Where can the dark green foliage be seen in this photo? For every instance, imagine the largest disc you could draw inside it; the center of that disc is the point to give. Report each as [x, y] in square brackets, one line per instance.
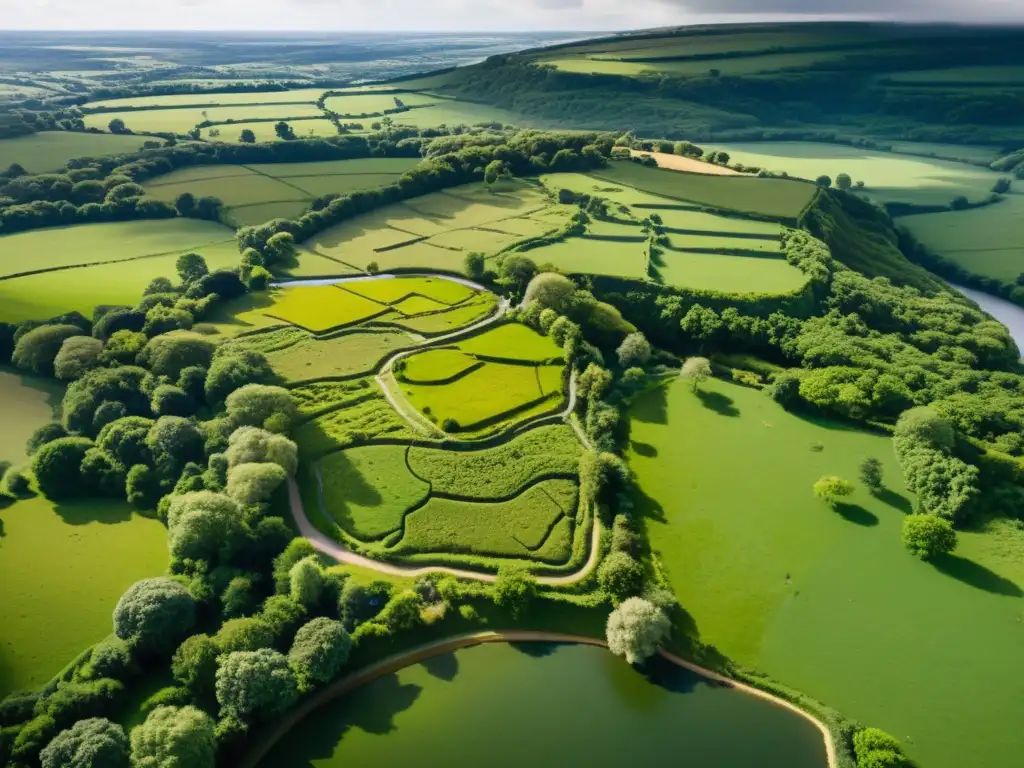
[125, 439]
[170, 355]
[102, 474]
[191, 267]
[90, 743]
[111, 658]
[172, 737]
[514, 589]
[205, 526]
[161, 319]
[169, 400]
[32, 738]
[171, 696]
[126, 385]
[43, 435]
[620, 576]
[18, 707]
[36, 350]
[871, 474]
[239, 598]
[153, 615]
[58, 468]
[192, 380]
[225, 283]
[245, 634]
[927, 536]
[297, 549]
[78, 700]
[284, 616]
[253, 685]
[233, 369]
[142, 487]
[362, 602]
[875, 748]
[195, 665]
[174, 441]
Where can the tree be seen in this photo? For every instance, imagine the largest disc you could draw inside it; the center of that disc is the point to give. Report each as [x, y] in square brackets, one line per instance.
[620, 576]
[174, 441]
[634, 351]
[928, 535]
[238, 599]
[960, 203]
[77, 355]
[169, 400]
[153, 615]
[170, 355]
[1002, 186]
[636, 629]
[702, 325]
[831, 489]
[402, 612]
[57, 467]
[247, 136]
[551, 291]
[47, 433]
[474, 265]
[161, 319]
[123, 347]
[280, 249]
[117, 126]
[125, 439]
[923, 425]
[250, 633]
[254, 483]
[15, 483]
[284, 131]
[514, 589]
[256, 405]
[823, 181]
[320, 650]
[307, 582]
[593, 382]
[92, 743]
[255, 684]
[174, 737]
[516, 271]
[697, 370]
[252, 445]
[233, 369]
[36, 350]
[843, 181]
[875, 748]
[195, 665]
[871, 474]
[185, 204]
[191, 267]
[204, 526]
[494, 171]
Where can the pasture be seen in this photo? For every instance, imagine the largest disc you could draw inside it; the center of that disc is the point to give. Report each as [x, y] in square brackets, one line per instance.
[887, 176]
[726, 273]
[29, 402]
[300, 96]
[367, 104]
[61, 581]
[345, 355]
[452, 112]
[829, 600]
[987, 241]
[264, 131]
[51, 150]
[182, 121]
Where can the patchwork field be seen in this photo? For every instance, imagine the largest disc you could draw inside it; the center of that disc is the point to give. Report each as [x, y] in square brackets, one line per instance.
[253, 194]
[264, 131]
[302, 95]
[829, 601]
[51, 150]
[52, 613]
[887, 176]
[357, 105]
[987, 241]
[182, 121]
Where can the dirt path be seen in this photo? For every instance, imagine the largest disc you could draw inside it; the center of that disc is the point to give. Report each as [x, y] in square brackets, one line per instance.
[686, 164]
[416, 655]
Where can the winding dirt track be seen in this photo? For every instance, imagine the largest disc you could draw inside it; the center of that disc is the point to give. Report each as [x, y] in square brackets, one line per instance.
[328, 546]
[421, 653]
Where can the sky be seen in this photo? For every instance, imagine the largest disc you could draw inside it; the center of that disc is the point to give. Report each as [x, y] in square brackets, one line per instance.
[474, 15]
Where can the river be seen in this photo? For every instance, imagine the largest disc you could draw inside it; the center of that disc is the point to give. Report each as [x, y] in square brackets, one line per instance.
[1008, 313]
[547, 706]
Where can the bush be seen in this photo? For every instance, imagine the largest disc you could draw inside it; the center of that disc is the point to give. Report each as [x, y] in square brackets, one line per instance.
[254, 483]
[15, 483]
[251, 445]
[402, 612]
[927, 536]
[91, 743]
[234, 369]
[239, 598]
[246, 634]
[634, 351]
[359, 602]
[170, 355]
[306, 578]
[514, 589]
[37, 349]
[871, 474]
[174, 737]
[831, 489]
[57, 467]
[204, 526]
[154, 614]
[77, 355]
[620, 576]
[43, 435]
[255, 684]
[195, 665]
[111, 658]
[255, 405]
[169, 400]
[284, 616]
[551, 291]
[320, 650]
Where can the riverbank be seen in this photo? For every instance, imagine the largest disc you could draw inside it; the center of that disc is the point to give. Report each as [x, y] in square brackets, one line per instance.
[1006, 312]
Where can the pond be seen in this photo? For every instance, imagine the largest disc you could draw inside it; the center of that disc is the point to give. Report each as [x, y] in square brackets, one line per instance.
[1006, 312]
[547, 706]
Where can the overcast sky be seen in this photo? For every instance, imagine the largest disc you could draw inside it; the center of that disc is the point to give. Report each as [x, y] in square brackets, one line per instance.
[455, 15]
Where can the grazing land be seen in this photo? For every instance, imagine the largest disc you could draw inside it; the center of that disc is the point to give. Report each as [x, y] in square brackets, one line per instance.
[181, 121]
[29, 402]
[299, 96]
[52, 613]
[51, 150]
[764, 569]
[263, 130]
[356, 105]
[728, 274]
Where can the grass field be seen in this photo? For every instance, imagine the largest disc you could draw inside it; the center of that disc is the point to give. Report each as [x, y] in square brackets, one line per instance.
[437, 323]
[29, 402]
[968, 152]
[780, 198]
[345, 355]
[580, 255]
[51, 150]
[698, 221]
[184, 120]
[434, 366]
[726, 273]
[368, 490]
[451, 112]
[513, 341]
[321, 307]
[354, 105]
[60, 581]
[307, 95]
[987, 241]
[745, 65]
[829, 601]
[394, 290]
[1008, 74]
[264, 129]
[887, 176]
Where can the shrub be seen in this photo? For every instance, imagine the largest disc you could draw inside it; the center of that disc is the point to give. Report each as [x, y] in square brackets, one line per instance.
[204, 526]
[402, 612]
[169, 400]
[254, 483]
[32, 738]
[15, 483]
[552, 291]
[77, 355]
[43, 435]
[111, 657]
[636, 629]
[359, 602]
[125, 439]
[254, 405]
[251, 445]
[174, 441]
[785, 389]
[174, 737]
[170, 355]
[234, 369]
[831, 489]
[697, 370]
[634, 351]
[927, 536]
[255, 684]
[245, 634]
[238, 598]
[620, 576]
[284, 616]
[171, 696]
[514, 589]
[91, 743]
[306, 580]
[194, 664]
[871, 474]
[57, 467]
[37, 349]
[320, 650]
[154, 614]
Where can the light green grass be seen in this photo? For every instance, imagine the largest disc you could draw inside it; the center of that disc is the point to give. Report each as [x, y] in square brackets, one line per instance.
[416, 305]
[345, 355]
[184, 120]
[393, 290]
[90, 243]
[581, 255]
[746, 65]
[355, 105]
[46, 295]
[65, 566]
[513, 341]
[309, 95]
[514, 528]
[260, 213]
[320, 307]
[29, 402]
[264, 129]
[887, 176]
[501, 471]
[370, 415]
[728, 274]
[709, 222]
[451, 112]
[781, 198]
[987, 241]
[234, 190]
[365, 165]
[423, 256]
[437, 365]
[368, 490]
[724, 243]
[829, 601]
[467, 313]
[51, 150]
[341, 184]
[969, 152]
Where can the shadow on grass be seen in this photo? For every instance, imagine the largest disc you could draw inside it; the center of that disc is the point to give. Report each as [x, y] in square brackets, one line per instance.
[647, 507]
[644, 449]
[84, 512]
[536, 650]
[651, 407]
[895, 500]
[718, 402]
[444, 667]
[856, 514]
[975, 575]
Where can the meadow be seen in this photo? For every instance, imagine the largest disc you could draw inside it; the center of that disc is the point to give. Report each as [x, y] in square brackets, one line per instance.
[345, 355]
[828, 600]
[51, 150]
[987, 241]
[299, 96]
[29, 401]
[356, 105]
[61, 583]
[182, 121]
[264, 131]
[727, 274]
[887, 176]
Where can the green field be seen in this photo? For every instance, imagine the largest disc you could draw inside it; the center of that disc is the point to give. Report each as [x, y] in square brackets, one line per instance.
[829, 601]
[451, 112]
[778, 198]
[62, 579]
[987, 241]
[303, 95]
[351, 353]
[743, 65]
[355, 105]
[727, 273]
[29, 402]
[582, 255]
[264, 129]
[320, 308]
[184, 120]
[887, 176]
[513, 341]
[438, 365]
[51, 150]
[393, 291]
[966, 152]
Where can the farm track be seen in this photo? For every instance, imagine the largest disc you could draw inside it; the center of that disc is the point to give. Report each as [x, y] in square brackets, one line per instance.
[332, 548]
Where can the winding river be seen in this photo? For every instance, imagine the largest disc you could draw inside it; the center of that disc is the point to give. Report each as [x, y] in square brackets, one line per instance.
[547, 706]
[1006, 312]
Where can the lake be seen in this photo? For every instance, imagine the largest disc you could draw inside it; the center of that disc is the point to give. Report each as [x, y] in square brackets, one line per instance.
[547, 706]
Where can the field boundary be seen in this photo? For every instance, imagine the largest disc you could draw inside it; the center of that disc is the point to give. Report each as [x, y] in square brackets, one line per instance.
[398, 661]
